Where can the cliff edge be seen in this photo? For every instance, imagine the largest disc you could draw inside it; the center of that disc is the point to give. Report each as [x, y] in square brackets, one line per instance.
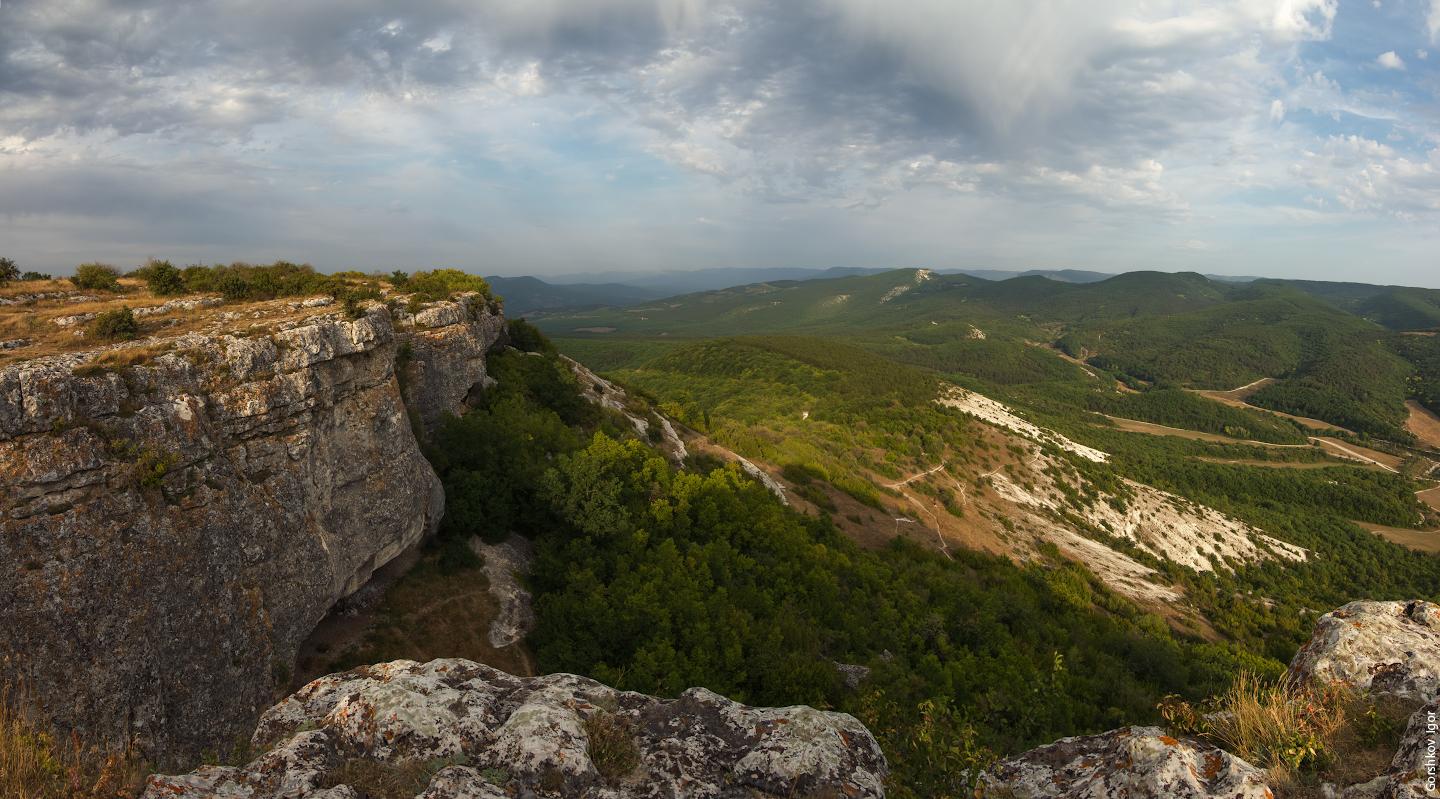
[225, 486]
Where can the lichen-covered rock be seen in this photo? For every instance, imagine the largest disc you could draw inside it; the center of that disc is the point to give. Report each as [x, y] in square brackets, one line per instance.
[492, 735]
[1382, 647]
[1133, 763]
[1412, 772]
[171, 530]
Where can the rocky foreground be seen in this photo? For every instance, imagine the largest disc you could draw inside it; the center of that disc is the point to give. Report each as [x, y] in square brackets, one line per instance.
[1384, 648]
[453, 729]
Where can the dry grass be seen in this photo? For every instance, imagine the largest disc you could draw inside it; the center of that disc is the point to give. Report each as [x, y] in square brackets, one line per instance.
[1280, 726]
[35, 321]
[34, 765]
[1302, 735]
[378, 780]
[612, 747]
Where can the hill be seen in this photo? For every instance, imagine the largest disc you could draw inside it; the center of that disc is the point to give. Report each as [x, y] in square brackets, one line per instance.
[524, 295]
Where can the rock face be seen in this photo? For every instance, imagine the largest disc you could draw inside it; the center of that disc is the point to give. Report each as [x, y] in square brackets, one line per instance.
[443, 359]
[1134, 763]
[1382, 647]
[1413, 770]
[173, 528]
[475, 732]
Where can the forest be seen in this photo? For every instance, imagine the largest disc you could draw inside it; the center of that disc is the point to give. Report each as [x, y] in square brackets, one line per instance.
[656, 577]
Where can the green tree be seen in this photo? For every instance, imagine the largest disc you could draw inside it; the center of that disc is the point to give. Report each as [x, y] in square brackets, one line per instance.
[162, 278]
[8, 270]
[96, 277]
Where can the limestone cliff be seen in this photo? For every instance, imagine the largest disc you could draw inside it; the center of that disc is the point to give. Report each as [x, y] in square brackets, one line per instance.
[179, 513]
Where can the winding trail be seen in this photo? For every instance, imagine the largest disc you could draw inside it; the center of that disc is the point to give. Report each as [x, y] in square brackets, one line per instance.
[934, 518]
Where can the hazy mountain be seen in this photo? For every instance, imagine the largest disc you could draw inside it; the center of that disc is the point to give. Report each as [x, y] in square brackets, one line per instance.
[529, 294]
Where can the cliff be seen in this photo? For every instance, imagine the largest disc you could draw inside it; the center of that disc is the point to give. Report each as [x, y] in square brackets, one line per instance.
[179, 513]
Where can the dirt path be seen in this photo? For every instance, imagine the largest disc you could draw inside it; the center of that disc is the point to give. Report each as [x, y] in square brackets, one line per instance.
[918, 475]
[934, 520]
[1136, 426]
[1235, 396]
[1357, 452]
[1271, 464]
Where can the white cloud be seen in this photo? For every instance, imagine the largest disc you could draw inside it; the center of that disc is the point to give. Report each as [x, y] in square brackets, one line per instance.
[1277, 110]
[1389, 60]
[1432, 20]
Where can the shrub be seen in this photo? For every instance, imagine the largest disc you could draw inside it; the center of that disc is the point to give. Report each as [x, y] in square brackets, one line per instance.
[162, 278]
[36, 276]
[8, 271]
[116, 325]
[96, 277]
[242, 281]
[440, 284]
[399, 279]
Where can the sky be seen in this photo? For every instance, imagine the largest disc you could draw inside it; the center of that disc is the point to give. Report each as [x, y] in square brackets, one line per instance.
[1287, 138]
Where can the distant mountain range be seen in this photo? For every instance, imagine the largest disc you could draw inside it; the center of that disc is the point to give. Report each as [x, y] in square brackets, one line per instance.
[583, 290]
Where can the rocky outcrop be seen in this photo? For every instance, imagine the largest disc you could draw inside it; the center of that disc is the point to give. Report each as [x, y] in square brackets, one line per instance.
[461, 730]
[1388, 648]
[1133, 762]
[1412, 773]
[505, 562]
[179, 514]
[442, 360]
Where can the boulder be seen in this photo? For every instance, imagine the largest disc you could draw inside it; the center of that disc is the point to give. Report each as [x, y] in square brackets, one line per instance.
[460, 729]
[1134, 763]
[1390, 648]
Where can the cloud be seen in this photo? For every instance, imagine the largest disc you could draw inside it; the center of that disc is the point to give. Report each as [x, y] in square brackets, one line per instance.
[328, 114]
[1389, 60]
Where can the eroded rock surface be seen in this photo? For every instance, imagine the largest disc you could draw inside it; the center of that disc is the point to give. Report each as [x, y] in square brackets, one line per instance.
[1134, 763]
[1383, 647]
[488, 734]
[1412, 772]
[173, 527]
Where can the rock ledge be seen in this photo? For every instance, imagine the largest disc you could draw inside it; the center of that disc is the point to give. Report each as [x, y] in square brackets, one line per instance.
[484, 734]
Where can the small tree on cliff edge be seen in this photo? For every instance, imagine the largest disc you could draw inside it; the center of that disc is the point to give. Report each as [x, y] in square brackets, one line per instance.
[8, 270]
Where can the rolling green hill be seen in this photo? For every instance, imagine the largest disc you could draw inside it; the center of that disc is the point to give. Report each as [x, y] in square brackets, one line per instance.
[1150, 330]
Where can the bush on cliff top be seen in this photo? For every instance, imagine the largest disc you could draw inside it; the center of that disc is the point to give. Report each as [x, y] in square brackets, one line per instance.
[441, 284]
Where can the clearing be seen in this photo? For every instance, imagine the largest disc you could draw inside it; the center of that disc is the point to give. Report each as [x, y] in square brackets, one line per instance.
[1423, 424]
